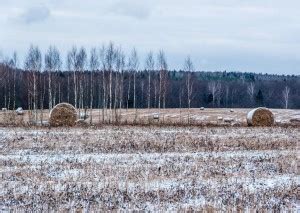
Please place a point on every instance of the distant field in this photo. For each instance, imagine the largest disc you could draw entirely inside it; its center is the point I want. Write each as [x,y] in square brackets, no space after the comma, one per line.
[195,116]
[150,168]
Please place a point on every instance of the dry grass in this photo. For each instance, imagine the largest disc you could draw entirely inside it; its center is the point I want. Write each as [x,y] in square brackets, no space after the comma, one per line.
[149,169]
[171,117]
[11,118]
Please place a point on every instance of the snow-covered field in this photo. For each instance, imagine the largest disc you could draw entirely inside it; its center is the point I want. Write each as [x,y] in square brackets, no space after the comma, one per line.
[149,168]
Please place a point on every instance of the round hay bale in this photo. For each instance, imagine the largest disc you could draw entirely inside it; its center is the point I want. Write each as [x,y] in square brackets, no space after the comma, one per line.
[260,117]
[63,114]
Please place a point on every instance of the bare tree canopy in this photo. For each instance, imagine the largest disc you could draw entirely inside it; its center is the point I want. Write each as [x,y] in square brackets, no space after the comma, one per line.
[33,61]
[105,77]
[133,61]
[52,59]
[94,59]
[188,64]
[162,61]
[150,63]
[72,59]
[81,59]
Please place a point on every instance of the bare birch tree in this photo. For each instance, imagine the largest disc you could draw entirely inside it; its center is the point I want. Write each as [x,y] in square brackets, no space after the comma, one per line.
[52,64]
[94,66]
[4,81]
[163,68]
[286,95]
[149,65]
[251,92]
[72,66]
[189,68]
[133,65]
[120,65]
[117,68]
[102,61]
[122,59]
[81,59]
[14,64]
[215,89]
[110,57]
[33,63]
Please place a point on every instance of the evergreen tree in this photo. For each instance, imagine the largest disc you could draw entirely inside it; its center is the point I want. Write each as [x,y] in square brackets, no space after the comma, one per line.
[259,98]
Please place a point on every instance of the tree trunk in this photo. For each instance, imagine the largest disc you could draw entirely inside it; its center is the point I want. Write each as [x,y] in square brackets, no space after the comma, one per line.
[99,98]
[42,99]
[14,104]
[159,98]
[134,96]
[34,97]
[8,105]
[91,98]
[110,95]
[68,90]
[75,89]
[59,93]
[128,93]
[121,94]
[149,89]
[104,95]
[50,91]
[116,96]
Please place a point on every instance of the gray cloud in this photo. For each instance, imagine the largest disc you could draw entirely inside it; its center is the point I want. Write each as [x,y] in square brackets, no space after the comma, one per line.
[245,35]
[35,14]
[132,8]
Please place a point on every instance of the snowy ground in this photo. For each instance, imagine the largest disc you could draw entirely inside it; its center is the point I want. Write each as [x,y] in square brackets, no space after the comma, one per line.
[149,168]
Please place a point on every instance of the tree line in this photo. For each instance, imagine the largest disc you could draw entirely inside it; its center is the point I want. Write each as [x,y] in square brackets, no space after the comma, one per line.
[108,79]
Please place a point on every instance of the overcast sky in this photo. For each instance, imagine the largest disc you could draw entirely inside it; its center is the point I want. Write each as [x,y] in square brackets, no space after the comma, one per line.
[233,35]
